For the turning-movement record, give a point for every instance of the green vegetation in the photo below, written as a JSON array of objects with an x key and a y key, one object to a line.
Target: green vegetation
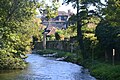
[
  {"x": 103, "y": 71},
  {"x": 47, "y": 51},
  {"x": 16, "y": 18},
  {"x": 70, "y": 57},
  {"x": 100, "y": 70},
  {"x": 18, "y": 24},
  {"x": 100, "y": 29},
  {"x": 97, "y": 33}
]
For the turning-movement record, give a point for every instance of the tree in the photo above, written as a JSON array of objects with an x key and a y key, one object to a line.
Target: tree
[
  {"x": 112, "y": 11},
  {"x": 108, "y": 29},
  {"x": 16, "y": 19},
  {"x": 82, "y": 14}
]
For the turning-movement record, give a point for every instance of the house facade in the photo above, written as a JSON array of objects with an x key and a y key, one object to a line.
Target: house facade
[{"x": 60, "y": 21}]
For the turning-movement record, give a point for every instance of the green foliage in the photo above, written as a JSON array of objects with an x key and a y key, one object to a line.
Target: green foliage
[
  {"x": 88, "y": 30},
  {"x": 51, "y": 37},
  {"x": 71, "y": 31},
  {"x": 106, "y": 72},
  {"x": 108, "y": 35},
  {"x": 8, "y": 61},
  {"x": 49, "y": 11},
  {"x": 112, "y": 12},
  {"x": 105, "y": 37},
  {"x": 47, "y": 51},
  {"x": 70, "y": 57},
  {"x": 17, "y": 27},
  {"x": 82, "y": 16}
]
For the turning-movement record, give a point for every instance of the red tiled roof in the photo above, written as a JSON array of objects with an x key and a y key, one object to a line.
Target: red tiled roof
[{"x": 52, "y": 30}]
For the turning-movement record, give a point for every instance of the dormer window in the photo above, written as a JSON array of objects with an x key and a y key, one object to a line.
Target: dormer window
[{"x": 65, "y": 18}]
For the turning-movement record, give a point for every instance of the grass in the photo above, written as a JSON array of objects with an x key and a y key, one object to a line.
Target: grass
[
  {"x": 104, "y": 71},
  {"x": 70, "y": 57},
  {"x": 47, "y": 51}
]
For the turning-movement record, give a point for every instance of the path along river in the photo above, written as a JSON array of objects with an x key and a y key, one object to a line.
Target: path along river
[{"x": 41, "y": 68}]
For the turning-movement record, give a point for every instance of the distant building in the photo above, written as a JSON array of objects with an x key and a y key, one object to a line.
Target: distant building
[{"x": 59, "y": 21}]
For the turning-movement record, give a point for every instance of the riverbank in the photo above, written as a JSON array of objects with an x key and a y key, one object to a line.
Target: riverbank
[
  {"x": 100, "y": 70},
  {"x": 68, "y": 56}
]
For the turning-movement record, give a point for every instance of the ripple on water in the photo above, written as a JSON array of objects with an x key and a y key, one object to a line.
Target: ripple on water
[{"x": 41, "y": 68}]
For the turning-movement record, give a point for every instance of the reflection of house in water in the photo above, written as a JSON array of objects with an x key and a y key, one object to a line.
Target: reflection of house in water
[{"x": 60, "y": 21}]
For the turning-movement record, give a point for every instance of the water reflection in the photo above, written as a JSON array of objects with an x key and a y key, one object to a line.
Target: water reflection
[{"x": 40, "y": 68}]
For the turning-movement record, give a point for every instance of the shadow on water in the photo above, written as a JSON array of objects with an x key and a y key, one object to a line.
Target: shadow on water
[
  {"x": 9, "y": 74},
  {"x": 40, "y": 68}
]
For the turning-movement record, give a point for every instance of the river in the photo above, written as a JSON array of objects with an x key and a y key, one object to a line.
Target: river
[{"x": 42, "y": 68}]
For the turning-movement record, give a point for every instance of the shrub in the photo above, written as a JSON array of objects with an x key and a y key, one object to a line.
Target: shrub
[{"x": 106, "y": 72}]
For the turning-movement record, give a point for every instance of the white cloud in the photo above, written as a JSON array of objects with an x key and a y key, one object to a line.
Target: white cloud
[{"x": 66, "y": 8}]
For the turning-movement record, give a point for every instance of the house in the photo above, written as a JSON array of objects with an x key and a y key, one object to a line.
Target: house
[{"x": 59, "y": 21}]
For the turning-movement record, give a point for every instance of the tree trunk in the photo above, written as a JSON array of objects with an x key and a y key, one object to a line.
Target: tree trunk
[
  {"x": 106, "y": 56},
  {"x": 79, "y": 33}
]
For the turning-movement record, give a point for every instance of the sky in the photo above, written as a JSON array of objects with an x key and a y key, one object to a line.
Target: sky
[
  {"x": 69, "y": 7},
  {"x": 66, "y": 7}
]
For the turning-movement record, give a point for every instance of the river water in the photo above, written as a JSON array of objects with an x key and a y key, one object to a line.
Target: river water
[{"x": 41, "y": 68}]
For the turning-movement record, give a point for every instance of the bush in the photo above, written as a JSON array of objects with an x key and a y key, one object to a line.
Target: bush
[
  {"x": 47, "y": 51},
  {"x": 106, "y": 72},
  {"x": 10, "y": 62}
]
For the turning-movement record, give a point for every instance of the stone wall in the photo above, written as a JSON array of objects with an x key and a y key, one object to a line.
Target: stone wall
[{"x": 59, "y": 45}]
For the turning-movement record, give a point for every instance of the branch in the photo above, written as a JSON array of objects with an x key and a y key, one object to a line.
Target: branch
[{"x": 92, "y": 12}]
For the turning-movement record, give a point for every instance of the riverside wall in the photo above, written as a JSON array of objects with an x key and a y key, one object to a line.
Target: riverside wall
[{"x": 58, "y": 45}]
